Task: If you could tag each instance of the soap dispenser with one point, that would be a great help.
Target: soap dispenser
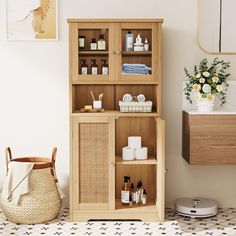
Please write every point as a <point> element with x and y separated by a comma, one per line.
<point>138,45</point>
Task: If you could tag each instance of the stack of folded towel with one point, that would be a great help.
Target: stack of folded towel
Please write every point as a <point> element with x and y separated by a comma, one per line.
<point>135,68</point>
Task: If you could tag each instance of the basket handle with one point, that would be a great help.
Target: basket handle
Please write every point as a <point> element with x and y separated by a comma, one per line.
<point>8,155</point>
<point>54,154</point>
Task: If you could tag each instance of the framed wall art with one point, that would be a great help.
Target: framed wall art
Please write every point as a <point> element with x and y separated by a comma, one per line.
<point>32,19</point>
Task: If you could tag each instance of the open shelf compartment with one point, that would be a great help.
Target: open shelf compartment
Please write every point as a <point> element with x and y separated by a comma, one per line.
<point>147,174</point>
<point>112,95</point>
<point>136,126</point>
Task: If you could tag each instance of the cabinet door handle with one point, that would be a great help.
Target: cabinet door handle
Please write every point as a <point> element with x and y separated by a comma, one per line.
<point>112,52</point>
<point>118,52</point>
<point>113,164</point>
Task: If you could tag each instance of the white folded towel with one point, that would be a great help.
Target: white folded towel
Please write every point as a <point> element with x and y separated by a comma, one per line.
<point>17,182</point>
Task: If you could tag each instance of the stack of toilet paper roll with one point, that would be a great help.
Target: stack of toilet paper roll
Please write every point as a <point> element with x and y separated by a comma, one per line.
<point>134,150</point>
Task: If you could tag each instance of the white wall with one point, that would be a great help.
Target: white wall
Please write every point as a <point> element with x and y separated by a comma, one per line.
<point>34,93</point>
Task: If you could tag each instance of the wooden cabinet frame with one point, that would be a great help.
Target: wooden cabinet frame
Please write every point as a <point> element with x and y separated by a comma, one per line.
<point>82,125</point>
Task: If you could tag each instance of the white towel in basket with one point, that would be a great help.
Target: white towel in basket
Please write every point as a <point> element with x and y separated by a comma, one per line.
<point>17,181</point>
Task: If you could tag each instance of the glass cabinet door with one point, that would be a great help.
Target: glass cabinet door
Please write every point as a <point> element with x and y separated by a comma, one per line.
<point>140,51</point>
<point>90,55</point>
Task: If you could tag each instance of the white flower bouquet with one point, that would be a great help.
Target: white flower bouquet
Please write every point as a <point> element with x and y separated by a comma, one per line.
<point>207,81</point>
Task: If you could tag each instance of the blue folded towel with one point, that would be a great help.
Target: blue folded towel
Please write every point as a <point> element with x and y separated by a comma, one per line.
<point>136,68</point>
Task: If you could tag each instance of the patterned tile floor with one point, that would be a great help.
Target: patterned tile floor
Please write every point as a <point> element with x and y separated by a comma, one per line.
<point>223,224</point>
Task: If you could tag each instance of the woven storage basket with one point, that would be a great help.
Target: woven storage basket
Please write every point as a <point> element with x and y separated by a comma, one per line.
<point>135,106</point>
<point>42,203</point>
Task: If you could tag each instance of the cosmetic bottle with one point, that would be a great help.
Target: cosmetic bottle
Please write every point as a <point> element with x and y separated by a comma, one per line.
<point>93,44</point>
<point>101,42</point>
<point>104,67</point>
<point>139,192</point>
<point>82,42</point>
<point>133,194</point>
<point>130,201</point>
<point>83,67</point>
<point>144,197</point>
<point>146,45</point>
<point>138,45</point>
<point>94,67</point>
<point>125,191</point>
<point>129,41</point>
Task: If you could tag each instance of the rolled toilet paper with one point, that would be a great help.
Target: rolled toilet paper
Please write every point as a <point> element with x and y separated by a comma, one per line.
<point>135,142</point>
<point>141,153</point>
<point>127,154</point>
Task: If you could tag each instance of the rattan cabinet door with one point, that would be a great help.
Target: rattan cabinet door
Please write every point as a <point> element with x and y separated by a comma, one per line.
<point>94,156</point>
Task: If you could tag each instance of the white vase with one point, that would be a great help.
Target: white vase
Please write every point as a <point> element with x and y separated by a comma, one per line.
<point>205,105</point>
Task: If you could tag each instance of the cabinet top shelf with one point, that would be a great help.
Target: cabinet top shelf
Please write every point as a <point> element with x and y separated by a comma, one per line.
<point>77,20</point>
<point>116,113</point>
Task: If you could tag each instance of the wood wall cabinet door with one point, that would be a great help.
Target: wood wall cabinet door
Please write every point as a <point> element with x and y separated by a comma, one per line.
<point>160,201</point>
<point>93,163</point>
<point>209,139</point>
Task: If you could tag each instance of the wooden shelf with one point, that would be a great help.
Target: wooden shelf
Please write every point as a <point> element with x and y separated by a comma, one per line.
<point>150,206</point>
<point>136,77</point>
<point>93,78</point>
<point>116,114</point>
<point>90,79</point>
<point>90,52</point>
<point>134,53</point>
<point>150,161</point>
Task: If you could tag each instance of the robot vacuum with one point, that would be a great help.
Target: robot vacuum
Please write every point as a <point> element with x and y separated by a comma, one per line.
<point>196,207</point>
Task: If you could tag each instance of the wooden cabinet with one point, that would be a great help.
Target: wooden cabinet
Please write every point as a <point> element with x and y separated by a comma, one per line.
<point>209,139</point>
<point>97,139</point>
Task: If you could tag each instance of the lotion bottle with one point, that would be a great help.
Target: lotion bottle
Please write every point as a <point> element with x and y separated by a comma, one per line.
<point>125,191</point>
<point>129,41</point>
<point>146,45</point>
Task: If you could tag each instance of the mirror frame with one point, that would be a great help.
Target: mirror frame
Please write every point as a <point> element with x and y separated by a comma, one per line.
<point>198,40</point>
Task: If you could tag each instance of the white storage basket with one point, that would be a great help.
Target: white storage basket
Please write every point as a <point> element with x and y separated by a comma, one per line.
<point>135,106</point>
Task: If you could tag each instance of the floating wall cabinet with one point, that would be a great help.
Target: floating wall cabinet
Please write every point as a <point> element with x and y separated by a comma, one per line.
<point>97,139</point>
<point>209,139</point>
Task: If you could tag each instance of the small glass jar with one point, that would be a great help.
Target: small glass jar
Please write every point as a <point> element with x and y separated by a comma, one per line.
<point>93,44</point>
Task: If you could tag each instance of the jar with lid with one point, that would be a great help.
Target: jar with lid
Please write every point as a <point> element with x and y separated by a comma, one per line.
<point>101,42</point>
<point>94,67</point>
<point>83,67</point>
<point>93,44</point>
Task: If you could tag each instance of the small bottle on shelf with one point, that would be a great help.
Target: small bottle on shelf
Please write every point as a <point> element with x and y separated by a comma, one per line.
<point>139,192</point>
<point>82,42</point>
<point>133,193</point>
<point>94,67</point>
<point>146,45</point>
<point>138,45</point>
<point>83,67</point>
<point>93,44</point>
<point>125,191</point>
<point>144,197</point>
<point>129,41</point>
<point>104,67</point>
<point>101,43</point>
